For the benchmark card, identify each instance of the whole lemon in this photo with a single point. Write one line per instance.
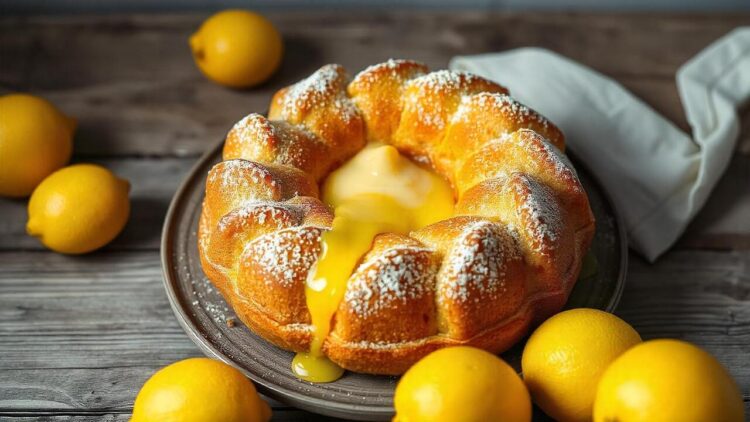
(666, 381)
(78, 209)
(461, 384)
(565, 357)
(237, 48)
(199, 390)
(35, 140)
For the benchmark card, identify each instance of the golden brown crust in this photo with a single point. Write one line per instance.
(428, 102)
(234, 183)
(393, 283)
(484, 117)
(508, 259)
(377, 91)
(256, 138)
(320, 104)
(482, 279)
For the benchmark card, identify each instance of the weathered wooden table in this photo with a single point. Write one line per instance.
(79, 335)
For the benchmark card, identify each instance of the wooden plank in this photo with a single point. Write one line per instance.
(79, 335)
(149, 98)
(105, 310)
(656, 44)
(153, 183)
(42, 416)
(105, 313)
(146, 97)
(84, 333)
(279, 415)
(722, 224)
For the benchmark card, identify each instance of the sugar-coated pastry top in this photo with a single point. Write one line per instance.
(509, 255)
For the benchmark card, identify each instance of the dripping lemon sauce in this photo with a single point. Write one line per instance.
(377, 191)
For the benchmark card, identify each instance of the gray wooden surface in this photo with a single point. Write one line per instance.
(79, 335)
(110, 6)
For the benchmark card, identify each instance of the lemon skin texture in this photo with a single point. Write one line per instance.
(78, 209)
(565, 357)
(665, 381)
(35, 140)
(461, 384)
(199, 390)
(237, 48)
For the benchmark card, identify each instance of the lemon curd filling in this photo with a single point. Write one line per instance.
(377, 191)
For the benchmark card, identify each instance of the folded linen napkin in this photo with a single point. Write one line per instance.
(659, 177)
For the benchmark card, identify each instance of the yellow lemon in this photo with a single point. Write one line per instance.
(667, 381)
(461, 384)
(35, 140)
(78, 209)
(565, 357)
(199, 390)
(237, 48)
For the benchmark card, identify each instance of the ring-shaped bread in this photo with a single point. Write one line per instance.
(508, 257)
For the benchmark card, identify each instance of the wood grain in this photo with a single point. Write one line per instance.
(153, 182)
(84, 333)
(722, 224)
(131, 81)
(163, 107)
(79, 335)
(279, 415)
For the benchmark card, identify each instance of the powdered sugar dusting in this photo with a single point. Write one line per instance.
(540, 213)
(240, 174)
(544, 160)
(388, 65)
(288, 254)
(398, 275)
(255, 131)
(276, 142)
(444, 81)
(475, 267)
(496, 102)
(253, 212)
(312, 90)
(427, 92)
(324, 88)
(391, 67)
(548, 153)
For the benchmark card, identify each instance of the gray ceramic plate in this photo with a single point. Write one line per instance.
(203, 313)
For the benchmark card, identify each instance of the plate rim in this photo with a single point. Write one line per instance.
(276, 392)
(292, 397)
(619, 221)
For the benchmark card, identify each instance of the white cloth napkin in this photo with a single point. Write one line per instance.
(659, 177)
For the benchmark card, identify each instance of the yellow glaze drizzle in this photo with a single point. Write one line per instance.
(377, 191)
